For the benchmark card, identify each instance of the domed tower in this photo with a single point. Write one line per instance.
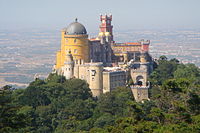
(75, 40)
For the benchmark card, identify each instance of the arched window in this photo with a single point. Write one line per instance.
(139, 80)
(139, 83)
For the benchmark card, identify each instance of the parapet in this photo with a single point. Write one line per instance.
(144, 42)
(139, 87)
(106, 17)
(97, 64)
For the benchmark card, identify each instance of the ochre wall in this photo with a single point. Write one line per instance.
(58, 59)
(78, 45)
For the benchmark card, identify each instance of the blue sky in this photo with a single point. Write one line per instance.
(127, 14)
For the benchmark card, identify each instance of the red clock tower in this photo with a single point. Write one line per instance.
(105, 25)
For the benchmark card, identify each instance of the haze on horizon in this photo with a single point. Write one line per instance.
(127, 14)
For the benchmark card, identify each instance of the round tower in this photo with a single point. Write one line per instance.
(75, 40)
(96, 78)
(68, 68)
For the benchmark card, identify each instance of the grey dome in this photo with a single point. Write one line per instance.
(75, 28)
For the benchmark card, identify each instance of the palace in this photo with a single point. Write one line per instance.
(103, 63)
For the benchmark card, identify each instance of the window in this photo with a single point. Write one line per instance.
(75, 51)
(74, 40)
(93, 72)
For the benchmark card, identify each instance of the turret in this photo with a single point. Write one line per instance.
(96, 78)
(142, 58)
(68, 68)
(145, 45)
(108, 37)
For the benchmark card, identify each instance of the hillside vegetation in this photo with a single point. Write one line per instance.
(66, 106)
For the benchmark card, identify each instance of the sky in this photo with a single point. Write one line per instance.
(127, 14)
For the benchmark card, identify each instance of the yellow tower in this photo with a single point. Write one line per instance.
(74, 40)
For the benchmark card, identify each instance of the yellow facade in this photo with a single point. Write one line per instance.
(142, 59)
(78, 45)
(58, 59)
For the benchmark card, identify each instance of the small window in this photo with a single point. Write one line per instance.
(75, 51)
(93, 72)
(74, 40)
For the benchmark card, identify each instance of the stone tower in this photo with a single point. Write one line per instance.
(96, 78)
(139, 73)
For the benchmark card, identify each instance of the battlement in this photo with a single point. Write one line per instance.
(139, 70)
(139, 87)
(144, 42)
(106, 17)
(126, 44)
(97, 64)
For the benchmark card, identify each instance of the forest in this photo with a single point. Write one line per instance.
(57, 105)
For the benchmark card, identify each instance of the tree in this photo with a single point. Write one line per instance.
(77, 89)
(163, 58)
(165, 70)
(53, 77)
(35, 96)
(10, 119)
(188, 71)
(115, 102)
